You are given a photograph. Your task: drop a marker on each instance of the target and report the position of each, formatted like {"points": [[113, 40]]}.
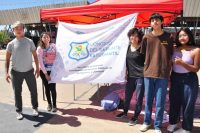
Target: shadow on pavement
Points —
{"points": [[119, 89], [70, 120], [54, 119], [9, 123], [104, 90], [101, 114], [97, 114], [41, 119]]}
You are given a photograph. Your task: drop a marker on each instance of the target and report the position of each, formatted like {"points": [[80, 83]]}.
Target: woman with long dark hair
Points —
{"points": [[184, 81], [46, 54]]}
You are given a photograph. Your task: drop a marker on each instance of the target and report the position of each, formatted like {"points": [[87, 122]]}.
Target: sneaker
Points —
{"points": [[35, 113], [121, 115], [181, 130], [54, 109], [158, 131], [132, 122], [171, 128], [19, 116], [49, 107], [144, 127]]}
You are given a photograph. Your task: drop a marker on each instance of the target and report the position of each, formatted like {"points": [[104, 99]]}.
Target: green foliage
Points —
{"points": [[4, 37]]}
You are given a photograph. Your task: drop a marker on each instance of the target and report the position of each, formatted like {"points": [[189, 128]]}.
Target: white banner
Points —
{"points": [[92, 53]]}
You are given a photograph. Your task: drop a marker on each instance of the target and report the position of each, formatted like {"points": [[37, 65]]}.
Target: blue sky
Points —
{"points": [[13, 4]]}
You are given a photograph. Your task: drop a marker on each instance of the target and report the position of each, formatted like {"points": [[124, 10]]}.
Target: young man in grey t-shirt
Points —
{"points": [[21, 50]]}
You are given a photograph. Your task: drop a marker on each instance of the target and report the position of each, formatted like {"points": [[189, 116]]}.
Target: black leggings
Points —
{"points": [[50, 89]]}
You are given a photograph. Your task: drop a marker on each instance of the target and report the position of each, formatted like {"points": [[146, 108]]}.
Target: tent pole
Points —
{"points": [[74, 91], [195, 31], [175, 26], [45, 26], [40, 31], [181, 18], [98, 90], [49, 28]]}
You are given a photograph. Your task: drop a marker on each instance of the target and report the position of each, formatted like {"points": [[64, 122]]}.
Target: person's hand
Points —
{"points": [[8, 78], [178, 61], [37, 72], [47, 77]]}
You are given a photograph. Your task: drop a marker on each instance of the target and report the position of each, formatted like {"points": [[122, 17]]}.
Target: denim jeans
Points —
{"points": [[132, 85], [183, 94], [155, 88]]}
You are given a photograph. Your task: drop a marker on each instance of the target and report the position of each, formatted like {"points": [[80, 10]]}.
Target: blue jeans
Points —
{"points": [[155, 88]]}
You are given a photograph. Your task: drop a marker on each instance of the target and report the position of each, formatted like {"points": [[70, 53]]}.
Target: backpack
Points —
{"points": [[110, 102]]}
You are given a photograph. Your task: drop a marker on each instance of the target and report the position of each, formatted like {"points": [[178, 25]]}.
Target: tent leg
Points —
{"points": [[98, 90], [196, 25], [50, 29], [74, 91], [181, 18]]}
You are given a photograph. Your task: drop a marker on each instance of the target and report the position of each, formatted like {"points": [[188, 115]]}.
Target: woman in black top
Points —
{"points": [[135, 81]]}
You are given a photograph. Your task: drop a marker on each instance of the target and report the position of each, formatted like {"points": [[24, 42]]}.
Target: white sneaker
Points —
{"points": [[35, 113], [158, 131], [19, 116], [181, 130], [144, 127], [171, 128]]}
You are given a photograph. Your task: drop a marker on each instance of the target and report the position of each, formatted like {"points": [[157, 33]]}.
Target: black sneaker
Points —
{"points": [[132, 122], [121, 115], [49, 107]]}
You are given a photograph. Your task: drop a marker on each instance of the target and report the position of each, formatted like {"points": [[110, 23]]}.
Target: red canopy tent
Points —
{"points": [[104, 10]]}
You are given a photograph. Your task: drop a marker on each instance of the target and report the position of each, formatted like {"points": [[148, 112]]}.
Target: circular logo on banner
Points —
{"points": [[78, 50]]}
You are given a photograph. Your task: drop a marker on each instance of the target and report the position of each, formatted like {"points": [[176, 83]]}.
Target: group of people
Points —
{"points": [[155, 62], [21, 50]]}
